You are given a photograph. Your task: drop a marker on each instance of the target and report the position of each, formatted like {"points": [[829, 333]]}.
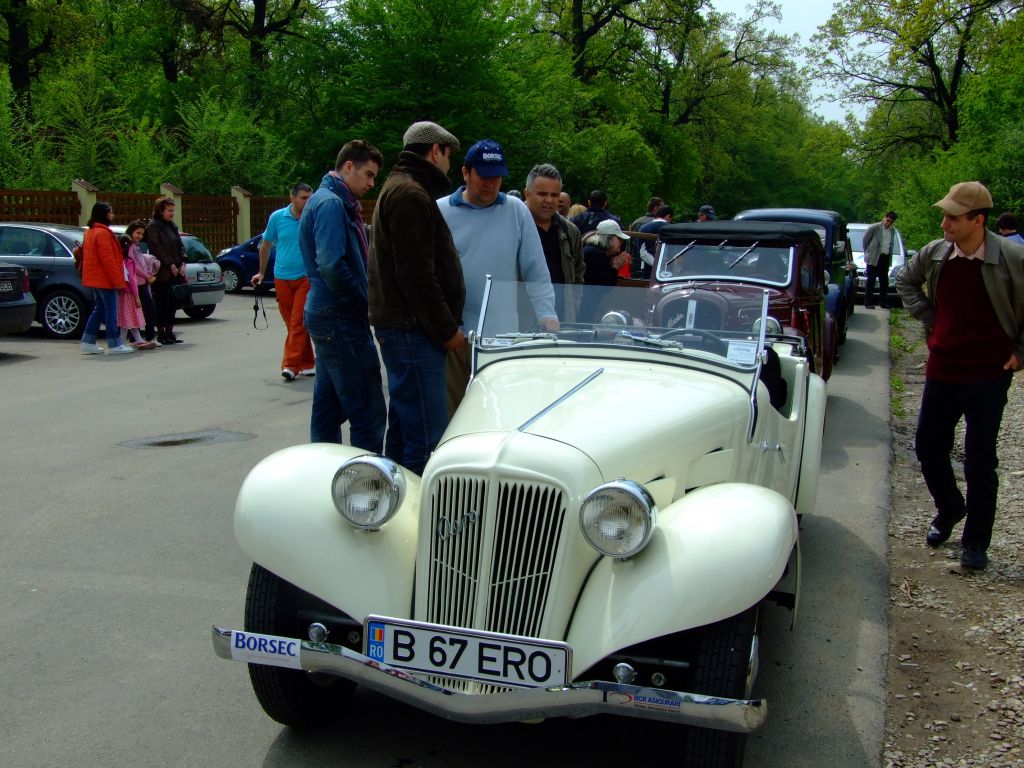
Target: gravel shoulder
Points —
{"points": [[955, 679]]}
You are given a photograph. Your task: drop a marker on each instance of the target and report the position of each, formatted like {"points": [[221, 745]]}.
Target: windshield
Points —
{"points": [[606, 319], [745, 262]]}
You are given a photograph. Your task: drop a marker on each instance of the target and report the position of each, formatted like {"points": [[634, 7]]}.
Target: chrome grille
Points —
{"points": [[494, 571]]}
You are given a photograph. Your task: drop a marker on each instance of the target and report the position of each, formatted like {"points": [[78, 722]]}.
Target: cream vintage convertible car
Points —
{"points": [[565, 553]]}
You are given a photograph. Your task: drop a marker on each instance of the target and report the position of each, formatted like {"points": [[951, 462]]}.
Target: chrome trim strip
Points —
{"points": [[526, 424], [479, 330], [577, 700]]}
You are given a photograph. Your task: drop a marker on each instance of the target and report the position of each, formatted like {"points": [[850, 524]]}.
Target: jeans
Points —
{"points": [[981, 405], [347, 385], [880, 272], [418, 409], [104, 310]]}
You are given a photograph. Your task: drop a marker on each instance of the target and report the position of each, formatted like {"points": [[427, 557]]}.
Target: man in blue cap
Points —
{"points": [[494, 235]]}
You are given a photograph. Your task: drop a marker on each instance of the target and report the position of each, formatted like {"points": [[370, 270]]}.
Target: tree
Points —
{"points": [[908, 61]]}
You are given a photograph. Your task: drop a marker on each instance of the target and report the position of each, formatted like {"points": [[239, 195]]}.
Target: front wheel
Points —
{"points": [[63, 315], [200, 312], [291, 697], [725, 665], [232, 280]]}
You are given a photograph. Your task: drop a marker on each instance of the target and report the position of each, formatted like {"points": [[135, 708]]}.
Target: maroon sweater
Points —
{"points": [[966, 344]]}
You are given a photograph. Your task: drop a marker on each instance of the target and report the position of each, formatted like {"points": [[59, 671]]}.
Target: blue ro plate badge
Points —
{"points": [[485, 657]]}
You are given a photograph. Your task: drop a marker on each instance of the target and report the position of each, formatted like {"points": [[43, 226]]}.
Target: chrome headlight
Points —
{"points": [[772, 326], [368, 490], [618, 518]]}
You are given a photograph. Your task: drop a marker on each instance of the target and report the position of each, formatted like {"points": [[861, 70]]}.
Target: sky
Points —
{"points": [[802, 17]]}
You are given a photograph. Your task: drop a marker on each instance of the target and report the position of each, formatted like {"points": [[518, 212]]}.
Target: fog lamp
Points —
{"points": [[617, 518], [368, 490]]}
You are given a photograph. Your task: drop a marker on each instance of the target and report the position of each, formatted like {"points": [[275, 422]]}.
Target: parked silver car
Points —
{"points": [[899, 257], [63, 303]]}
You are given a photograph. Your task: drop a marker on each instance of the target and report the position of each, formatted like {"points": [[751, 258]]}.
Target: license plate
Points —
{"points": [[485, 657], [6, 286], [207, 277]]}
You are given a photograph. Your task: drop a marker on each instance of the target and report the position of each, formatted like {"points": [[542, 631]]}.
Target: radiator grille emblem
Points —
{"points": [[447, 528]]}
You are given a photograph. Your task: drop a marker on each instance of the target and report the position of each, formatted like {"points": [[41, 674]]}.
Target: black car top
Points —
{"points": [[808, 215], [737, 231]]}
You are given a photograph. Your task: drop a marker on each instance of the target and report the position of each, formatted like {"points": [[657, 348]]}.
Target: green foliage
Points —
{"points": [[220, 141]]}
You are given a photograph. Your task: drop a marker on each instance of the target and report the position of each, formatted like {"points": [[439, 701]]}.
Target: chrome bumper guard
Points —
{"points": [[576, 700]]}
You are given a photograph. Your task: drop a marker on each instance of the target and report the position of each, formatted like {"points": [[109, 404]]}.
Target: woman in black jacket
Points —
{"points": [[164, 242], [604, 254]]}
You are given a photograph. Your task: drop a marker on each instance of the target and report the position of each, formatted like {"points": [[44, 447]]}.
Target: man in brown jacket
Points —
{"points": [[416, 293]]}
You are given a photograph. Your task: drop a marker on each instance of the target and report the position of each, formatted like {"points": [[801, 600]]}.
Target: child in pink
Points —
{"points": [[129, 306]]}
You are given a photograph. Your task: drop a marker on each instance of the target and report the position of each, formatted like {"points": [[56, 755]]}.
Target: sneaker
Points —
{"points": [[91, 349], [156, 343], [176, 340], [307, 372], [973, 557], [288, 374], [124, 349]]}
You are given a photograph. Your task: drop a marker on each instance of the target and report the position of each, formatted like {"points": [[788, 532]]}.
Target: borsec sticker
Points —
{"points": [[265, 649]]}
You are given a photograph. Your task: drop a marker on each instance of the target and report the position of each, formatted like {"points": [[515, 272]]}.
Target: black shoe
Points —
{"points": [[165, 340], [177, 340], [973, 557], [940, 530], [869, 306]]}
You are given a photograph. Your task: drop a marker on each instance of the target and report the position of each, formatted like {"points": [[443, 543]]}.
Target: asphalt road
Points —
{"points": [[117, 555]]}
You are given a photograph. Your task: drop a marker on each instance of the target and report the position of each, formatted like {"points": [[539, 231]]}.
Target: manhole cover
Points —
{"points": [[203, 437]]}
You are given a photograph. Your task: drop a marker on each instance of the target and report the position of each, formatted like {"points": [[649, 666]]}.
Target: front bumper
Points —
{"points": [[576, 700]]}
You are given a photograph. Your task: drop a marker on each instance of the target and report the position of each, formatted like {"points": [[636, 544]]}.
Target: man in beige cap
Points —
{"points": [[417, 293], [967, 289]]}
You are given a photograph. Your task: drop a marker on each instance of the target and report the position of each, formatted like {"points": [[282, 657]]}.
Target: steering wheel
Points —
{"points": [[706, 339]]}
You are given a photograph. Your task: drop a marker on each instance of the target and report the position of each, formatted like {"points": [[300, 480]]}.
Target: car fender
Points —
{"points": [[810, 458], [286, 521], [685, 571]]}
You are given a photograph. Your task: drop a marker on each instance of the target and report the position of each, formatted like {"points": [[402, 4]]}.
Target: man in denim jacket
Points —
{"points": [[332, 239]]}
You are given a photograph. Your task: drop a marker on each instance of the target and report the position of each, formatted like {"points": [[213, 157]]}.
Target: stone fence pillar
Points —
{"points": [[86, 197], [243, 227]]}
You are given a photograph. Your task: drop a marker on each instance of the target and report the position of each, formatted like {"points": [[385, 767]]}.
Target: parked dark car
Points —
{"points": [[842, 272], [706, 274], [63, 303], [17, 304], [240, 262], [201, 272]]}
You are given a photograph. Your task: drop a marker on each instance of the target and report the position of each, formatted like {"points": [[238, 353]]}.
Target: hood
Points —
{"points": [[633, 419]]}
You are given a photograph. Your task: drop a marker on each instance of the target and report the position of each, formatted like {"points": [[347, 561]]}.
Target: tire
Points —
{"points": [[63, 314], [200, 312], [721, 667], [232, 280], [291, 697]]}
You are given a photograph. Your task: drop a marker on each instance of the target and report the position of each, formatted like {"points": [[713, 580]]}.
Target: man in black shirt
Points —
{"points": [[559, 237]]}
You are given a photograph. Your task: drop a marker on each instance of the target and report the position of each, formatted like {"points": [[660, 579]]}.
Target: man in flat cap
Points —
{"points": [[495, 235], [967, 289], [416, 293]]}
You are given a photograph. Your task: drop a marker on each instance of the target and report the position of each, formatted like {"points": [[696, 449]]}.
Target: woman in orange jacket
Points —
{"points": [[103, 271]]}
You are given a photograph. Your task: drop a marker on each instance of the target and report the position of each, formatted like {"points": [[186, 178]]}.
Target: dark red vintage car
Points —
{"points": [[706, 274]]}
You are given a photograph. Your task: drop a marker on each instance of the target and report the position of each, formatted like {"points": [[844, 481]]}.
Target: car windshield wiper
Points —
{"points": [[532, 335], [654, 341], [681, 252], [742, 255]]}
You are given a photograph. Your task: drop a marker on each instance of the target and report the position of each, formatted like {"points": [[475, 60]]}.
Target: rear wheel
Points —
{"points": [[291, 697], [724, 665], [63, 314]]}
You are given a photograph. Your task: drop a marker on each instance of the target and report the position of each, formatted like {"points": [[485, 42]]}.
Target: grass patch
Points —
{"points": [[896, 390]]}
